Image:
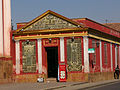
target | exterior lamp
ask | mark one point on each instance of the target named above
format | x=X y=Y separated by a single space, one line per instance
x=21 y=29
x=72 y=39
x=27 y=42
x=13 y=38
x=50 y=40
x=97 y=43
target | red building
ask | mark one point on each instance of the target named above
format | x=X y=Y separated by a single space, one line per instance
x=53 y=46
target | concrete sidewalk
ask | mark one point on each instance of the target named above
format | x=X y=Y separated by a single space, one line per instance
x=54 y=85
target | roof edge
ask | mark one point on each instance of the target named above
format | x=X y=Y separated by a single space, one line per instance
x=98 y=23
x=46 y=13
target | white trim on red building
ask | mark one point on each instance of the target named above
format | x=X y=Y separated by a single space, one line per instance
x=62 y=55
x=39 y=55
x=17 y=44
x=86 y=55
x=100 y=56
x=111 y=57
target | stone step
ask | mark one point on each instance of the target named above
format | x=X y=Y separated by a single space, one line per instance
x=51 y=80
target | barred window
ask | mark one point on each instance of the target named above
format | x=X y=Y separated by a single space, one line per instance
x=29 y=56
x=105 y=53
x=94 y=54
x=74 y=54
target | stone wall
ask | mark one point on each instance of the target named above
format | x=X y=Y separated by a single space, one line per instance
x=90 y=77
x=100 y=76
x=71 y=77
x=28 y=78
x=6 y=75
x=5 y=70
x=82 y=77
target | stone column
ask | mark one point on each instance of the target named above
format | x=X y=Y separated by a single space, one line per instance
x=100 y=56
x=7 y=26
x=17 y=45
x=86 y=55
x=119 y=55
x=62 y=55
x=39 y=56
x=116 y=56
x=111 y=57
x=1 y=29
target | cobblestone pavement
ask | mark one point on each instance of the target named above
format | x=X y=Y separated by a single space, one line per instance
x=55 y=85
x=36 y=86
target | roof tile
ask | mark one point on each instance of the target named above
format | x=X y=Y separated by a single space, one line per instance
x=115 y=26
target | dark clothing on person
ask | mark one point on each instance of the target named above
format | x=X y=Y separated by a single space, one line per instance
x=116 y=73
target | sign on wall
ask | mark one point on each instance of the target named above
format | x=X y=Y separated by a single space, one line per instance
x=91 y=50
x=62 y=73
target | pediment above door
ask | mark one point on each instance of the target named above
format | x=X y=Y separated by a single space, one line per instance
x=49 y=20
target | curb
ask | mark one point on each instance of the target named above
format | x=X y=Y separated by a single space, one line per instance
x=56 y=87
x=99 y=84
x=62 y=86
x=85 y=85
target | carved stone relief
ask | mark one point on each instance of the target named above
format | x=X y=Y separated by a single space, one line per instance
x=50 y=22
x=74 y=55
x=29 y=56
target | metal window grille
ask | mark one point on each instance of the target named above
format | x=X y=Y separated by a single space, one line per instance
x=105 y=53
x=94 y=54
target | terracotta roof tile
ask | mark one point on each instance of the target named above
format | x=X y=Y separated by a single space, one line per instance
x=115 y=26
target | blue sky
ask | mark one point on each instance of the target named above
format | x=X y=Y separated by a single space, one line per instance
x=98 y=10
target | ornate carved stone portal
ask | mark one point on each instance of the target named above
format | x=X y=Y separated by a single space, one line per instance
x=74 y=55
x=29 y=56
